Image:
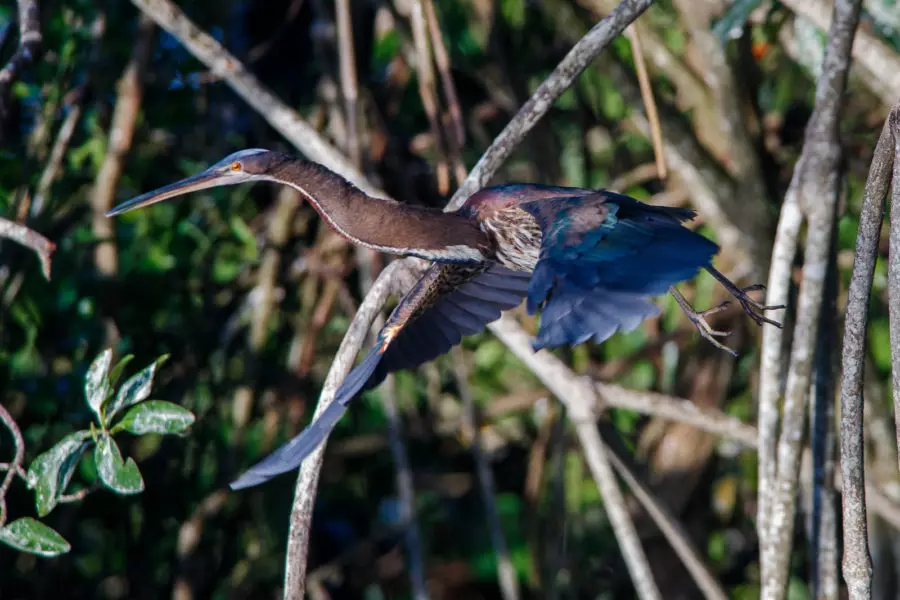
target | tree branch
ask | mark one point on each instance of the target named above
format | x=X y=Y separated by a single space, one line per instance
x=30 y=239
x=563 y=76
x=813 y=194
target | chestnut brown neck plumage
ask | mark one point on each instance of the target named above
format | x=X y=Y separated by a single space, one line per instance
x=382 y=224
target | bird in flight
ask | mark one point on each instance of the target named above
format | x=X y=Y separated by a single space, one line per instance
x=589 y=260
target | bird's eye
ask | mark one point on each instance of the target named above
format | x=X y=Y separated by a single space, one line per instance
x=235 y=166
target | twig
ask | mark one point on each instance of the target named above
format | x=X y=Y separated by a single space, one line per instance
x=562 y=77
x=738 y=224
x=443 y=64
x=506 y=573
x=674 y=533
x=428 y=91
x=29 y=43
x=349 y=87
x=578 y=397
x=57 y=154
x=30 y=239
x=676 y=409
x=18 y=458
x=121 y=133
x=813 y=193
x=640 y=67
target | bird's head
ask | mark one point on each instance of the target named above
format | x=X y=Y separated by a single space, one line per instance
x=245 y=165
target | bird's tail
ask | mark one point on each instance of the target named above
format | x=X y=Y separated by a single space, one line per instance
x=289 y=456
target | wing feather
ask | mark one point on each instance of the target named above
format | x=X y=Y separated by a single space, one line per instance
x=602 y=258
x=446 y=304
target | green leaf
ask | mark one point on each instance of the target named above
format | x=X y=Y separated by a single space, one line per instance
x=120 y=476
x=116 y=371
x=136 y=389
x=96 y=383
x=50 y=472
x=30 y=535
x=156 y=416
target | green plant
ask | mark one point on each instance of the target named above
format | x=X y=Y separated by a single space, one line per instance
x=51 y=472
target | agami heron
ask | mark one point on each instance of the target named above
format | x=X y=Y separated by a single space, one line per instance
x=590 y=260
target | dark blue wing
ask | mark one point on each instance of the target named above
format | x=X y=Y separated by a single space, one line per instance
x=602 y=258
x=446 y=304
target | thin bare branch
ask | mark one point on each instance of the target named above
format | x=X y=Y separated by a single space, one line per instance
x=676 y=409
x=442 y=60
x=121 y=133
x=562 y=77
x=640 y=67
x=428 y=91
x=57 y=154
x=738 y=224
x=29 y=43
x=349 y=86
x=30 y=239
x=813 y=194
x=15 y=467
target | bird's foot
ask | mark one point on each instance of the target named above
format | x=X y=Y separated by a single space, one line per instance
x=753 y=308
x=698 y=318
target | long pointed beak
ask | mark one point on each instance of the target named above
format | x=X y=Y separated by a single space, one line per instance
x=200 y=181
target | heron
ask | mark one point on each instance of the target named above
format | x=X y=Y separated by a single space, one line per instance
x=590 y=261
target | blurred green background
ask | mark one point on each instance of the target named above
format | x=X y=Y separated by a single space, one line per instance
x=249 y=294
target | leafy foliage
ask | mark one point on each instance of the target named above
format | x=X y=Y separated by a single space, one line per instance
x=51 y=472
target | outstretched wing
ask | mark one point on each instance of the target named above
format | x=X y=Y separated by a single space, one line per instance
x=446 y=304
x=602 y=258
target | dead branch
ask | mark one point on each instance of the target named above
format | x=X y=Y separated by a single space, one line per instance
x=30 y=239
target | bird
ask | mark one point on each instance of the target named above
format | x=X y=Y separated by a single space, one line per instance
x=589 y=260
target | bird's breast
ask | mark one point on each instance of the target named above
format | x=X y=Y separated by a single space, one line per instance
x=516 y=236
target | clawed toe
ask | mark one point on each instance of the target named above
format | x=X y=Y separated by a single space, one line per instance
x=750 y=306
x=698 y=318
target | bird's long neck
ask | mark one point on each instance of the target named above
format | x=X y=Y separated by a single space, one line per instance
x=382 y=224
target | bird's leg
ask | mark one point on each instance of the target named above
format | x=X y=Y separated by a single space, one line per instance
x=699 y=320
x=751 y=306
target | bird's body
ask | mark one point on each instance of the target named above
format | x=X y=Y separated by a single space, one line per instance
x=589 y=260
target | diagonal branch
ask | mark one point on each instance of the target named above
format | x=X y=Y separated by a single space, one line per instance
x=563 y=76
